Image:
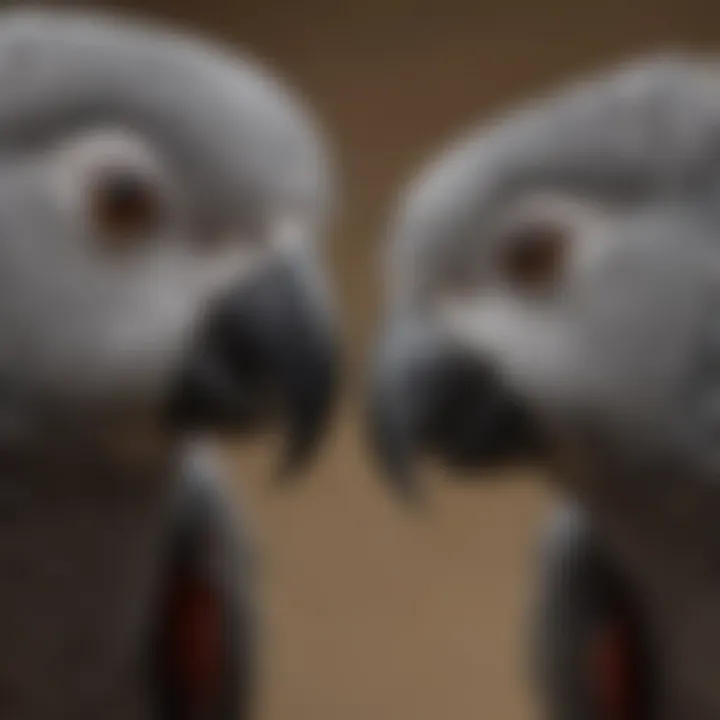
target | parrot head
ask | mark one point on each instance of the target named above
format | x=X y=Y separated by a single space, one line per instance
x=162 y=206
x=553 y=282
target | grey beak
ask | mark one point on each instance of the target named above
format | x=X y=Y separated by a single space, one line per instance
x=403 y=372
x=268 y=354
x=426 y=395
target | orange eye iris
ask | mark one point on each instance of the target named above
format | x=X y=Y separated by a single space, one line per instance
x=125 y=206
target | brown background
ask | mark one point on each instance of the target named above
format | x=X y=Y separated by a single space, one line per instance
x=372 y=613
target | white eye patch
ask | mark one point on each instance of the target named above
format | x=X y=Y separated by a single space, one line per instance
x=530 y=347
x=239 y=257
x=72 y=167
x=551 y=238
x=83 y=151
x=501 y=328
x=289 y=232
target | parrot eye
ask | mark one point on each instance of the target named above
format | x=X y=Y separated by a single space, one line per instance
x=534 y=256
x=126 y=205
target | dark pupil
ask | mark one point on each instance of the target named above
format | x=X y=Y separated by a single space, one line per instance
x=536 y=256
x=126 y=204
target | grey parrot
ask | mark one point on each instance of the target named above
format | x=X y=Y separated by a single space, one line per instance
x=553 y=295
x=162 y=206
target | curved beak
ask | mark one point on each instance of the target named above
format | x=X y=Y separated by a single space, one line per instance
x=268 y=353
x=427 y=395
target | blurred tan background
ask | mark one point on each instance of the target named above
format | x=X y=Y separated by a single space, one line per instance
x=371 y=612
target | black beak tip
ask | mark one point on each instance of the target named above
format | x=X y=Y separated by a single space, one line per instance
x=392 y=449
x=314 y=402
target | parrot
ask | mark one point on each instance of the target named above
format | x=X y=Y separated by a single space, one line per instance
x=163 y=206
x=552 y=295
